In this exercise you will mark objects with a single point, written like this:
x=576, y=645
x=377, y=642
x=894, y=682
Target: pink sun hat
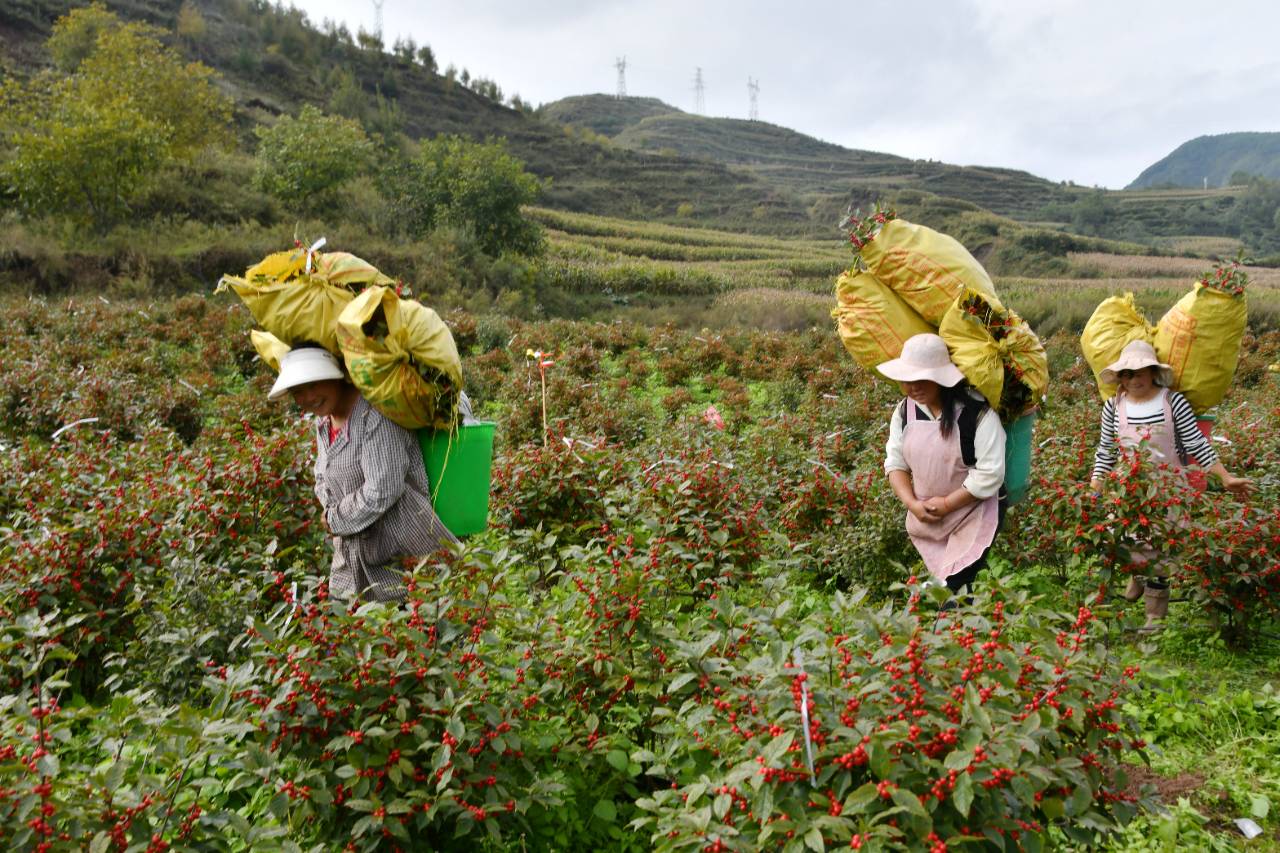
x=1135, y=356
x=923, y=357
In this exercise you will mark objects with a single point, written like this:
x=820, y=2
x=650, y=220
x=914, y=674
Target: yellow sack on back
x=402, y=357
x=294, y=310
x=270, y=348
x=1115, y=323
x=928, y=269
x=997, y=352
x=872, y=320
x=1199, y=338
x=346, y=270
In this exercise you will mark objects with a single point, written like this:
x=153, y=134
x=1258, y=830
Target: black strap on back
x=968, y=423
x=970, y=411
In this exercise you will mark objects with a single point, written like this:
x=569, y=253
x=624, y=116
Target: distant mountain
x=792, y=161
x=1216, y=159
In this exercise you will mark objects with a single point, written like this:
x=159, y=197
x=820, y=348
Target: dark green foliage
x=469, y=185
x=304, y=160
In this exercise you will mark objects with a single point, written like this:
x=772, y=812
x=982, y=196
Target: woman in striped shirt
x=1146, y=409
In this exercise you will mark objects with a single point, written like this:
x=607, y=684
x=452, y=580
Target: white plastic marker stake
x=60, y=430
x=311, y=251
x=804, y=719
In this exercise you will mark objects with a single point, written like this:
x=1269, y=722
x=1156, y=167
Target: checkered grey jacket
x=373, y=488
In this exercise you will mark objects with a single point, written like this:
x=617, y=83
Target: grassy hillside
x=828, y=177
x=1215, y=159
x=795, y=162
x=274, y=60
x=603, y=114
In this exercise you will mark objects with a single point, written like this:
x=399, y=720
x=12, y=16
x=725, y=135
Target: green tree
x=191, y=24
x=303, y=160
x=76, y=35
x=472, y=185
x=83, y=144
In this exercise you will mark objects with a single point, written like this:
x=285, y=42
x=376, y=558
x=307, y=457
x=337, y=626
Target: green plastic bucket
x=458, y=470
x=1017, y=456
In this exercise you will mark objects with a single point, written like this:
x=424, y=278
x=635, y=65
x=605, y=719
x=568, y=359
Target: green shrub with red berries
x=892, y=728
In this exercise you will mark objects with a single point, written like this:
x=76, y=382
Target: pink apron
x=957, y=540
x=1163, y=449
x=1160, y=440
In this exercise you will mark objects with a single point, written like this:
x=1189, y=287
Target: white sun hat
x=923, y=357
x=303, y=366
x=1135, y=356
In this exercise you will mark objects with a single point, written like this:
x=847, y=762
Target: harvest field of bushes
x=686, y=628
x=621, y=661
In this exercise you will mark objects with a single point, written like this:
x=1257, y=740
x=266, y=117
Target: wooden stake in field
x=543, y=363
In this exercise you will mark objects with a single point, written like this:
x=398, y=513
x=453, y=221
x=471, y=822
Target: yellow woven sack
x=872, y=320
x=1115, y=323
x=294, y=310
x=298, y=301
x=929, y=270
x=346, y=270
x=270, y=348
x=388, y=344
x=997, y=352
x=279, y=266
x=1199, y=338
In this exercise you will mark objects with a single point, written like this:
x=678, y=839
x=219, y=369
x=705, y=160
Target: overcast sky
x=1092, y=91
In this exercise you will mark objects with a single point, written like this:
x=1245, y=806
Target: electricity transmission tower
x=753, y=92
x=621, y=65
x=377, y=18
x=699, y=94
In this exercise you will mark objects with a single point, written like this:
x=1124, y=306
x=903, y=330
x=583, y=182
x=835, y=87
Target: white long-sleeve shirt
x=985, y=477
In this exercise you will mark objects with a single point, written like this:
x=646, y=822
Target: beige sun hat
x=302, y=366
x=923, y=357
x=1135, y=356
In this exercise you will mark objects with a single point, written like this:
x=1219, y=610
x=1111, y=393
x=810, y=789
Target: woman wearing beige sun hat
x=372, y=486
x=945, y=461
x=1147, y=409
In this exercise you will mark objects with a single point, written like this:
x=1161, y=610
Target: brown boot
x=1137, y=584
x=1156, y=604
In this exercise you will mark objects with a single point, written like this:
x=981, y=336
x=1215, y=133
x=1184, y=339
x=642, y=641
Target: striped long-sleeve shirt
x=1190, y=442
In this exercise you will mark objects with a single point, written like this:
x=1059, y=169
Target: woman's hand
x=936, y=507
x=923, y=511
x=1239, y=486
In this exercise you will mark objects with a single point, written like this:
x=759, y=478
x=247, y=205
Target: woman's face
x=1138, y=383
x=924, y=392
x=318, y=398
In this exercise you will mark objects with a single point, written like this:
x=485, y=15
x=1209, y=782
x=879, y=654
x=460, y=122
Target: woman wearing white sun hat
x=1146, y=409
x=954, y=507
x=370, y=480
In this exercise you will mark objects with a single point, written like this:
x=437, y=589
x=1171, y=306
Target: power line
x=621, y=65
x=699, y=94
x=377, y=18
x=753, y=92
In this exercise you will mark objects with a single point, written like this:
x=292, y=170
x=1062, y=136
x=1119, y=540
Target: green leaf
x=606, y=811
x=958, y=760
x=878, y=759
x=617, y=759
x=1079, y=801
x=776, y=747
x=963, y=794
x=860, y=799
x=813, y=840
x=720, y=807
x=1053, y=808
x=910, y=802
x=1259, y=806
